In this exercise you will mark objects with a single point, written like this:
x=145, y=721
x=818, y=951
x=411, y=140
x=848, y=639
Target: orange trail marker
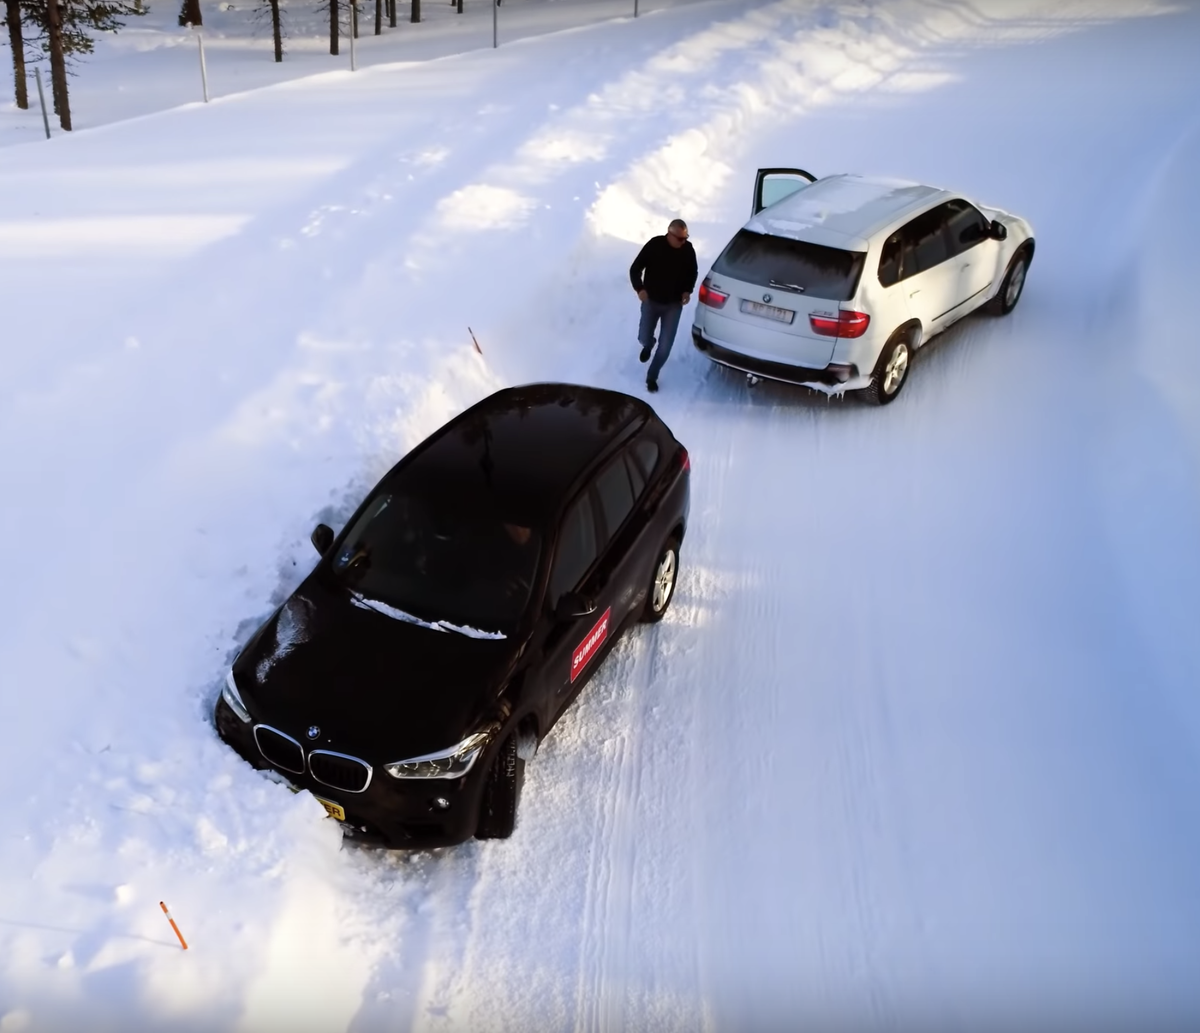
x=473, y=341
x=182, y=941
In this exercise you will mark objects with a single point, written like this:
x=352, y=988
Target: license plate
x=757, y=308
x=335, y=809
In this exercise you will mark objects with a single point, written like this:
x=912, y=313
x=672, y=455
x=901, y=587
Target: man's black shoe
x=651, y=385
x=645, y=356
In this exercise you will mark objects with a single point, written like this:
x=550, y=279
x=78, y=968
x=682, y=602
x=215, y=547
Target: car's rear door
x=773, y=185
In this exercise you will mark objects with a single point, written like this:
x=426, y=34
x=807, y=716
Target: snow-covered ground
x=917, y=744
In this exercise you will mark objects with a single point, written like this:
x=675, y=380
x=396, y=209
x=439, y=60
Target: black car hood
x=376, y=686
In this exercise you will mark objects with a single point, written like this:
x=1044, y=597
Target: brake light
x=712, y=298
x=685, y=459
x=839, y=324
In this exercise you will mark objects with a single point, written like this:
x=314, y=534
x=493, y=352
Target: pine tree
x=272, y=9
x=16, y=39
x=189, y=13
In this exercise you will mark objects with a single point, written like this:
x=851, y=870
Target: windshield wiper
x=793, y=287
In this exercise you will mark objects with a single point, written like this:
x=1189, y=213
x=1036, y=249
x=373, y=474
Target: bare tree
x=333, y=27
x=416, y=10
x=58, y=65
x=16, y=39
x=378, y=17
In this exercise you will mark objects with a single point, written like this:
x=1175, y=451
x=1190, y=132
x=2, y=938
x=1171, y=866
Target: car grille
x=281, y=751
x=339, y=771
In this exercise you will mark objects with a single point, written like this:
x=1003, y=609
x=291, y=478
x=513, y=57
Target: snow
x=916, y=744
x=360, y=600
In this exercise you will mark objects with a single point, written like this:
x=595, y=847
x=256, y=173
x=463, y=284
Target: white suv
x=834, y=282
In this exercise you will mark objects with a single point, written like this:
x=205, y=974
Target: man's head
x=677, y=233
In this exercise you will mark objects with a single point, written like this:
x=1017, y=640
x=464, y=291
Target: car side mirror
x=571, y=605
x=322, y=538
x=997, y=231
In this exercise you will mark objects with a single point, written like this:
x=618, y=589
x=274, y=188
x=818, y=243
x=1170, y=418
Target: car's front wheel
x=498, y=811
x=1014, y=282
x=662, y=582
x=891, y=371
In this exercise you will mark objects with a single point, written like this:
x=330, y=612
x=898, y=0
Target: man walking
x=663, y=274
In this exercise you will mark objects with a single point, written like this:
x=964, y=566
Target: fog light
x=440, y=803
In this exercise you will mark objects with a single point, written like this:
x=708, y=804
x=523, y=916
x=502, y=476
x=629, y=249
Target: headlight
x=451, y=763
x=231, y=696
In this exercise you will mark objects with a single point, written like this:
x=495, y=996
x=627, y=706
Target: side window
x=926, y=236
x=576, y=548
x=616, y=494
x=966, y=226
x=636, y=477
x=646, y=452
x=889, y=261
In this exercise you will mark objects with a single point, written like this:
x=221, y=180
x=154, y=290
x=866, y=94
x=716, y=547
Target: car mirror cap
x=322, y=538
x=998, y=231
x=572, y=605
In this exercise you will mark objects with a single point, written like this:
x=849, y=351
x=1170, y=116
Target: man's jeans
x=654, y=312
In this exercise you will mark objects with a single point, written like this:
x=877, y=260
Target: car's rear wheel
x=662, y=581
x=891, y=370
x=498, y=811
x=1013, y=284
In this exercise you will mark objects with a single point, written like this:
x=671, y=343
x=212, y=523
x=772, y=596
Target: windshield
x=817, y=271
x=467, y=567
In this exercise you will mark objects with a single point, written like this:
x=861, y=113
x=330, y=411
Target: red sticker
x=590, y=645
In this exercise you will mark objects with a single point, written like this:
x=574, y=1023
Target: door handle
x=913, y=294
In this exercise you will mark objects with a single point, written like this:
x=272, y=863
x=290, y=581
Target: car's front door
x=972, y=253
x=773, y=185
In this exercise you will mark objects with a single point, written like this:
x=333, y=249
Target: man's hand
x=643, y=296
x=687, y=296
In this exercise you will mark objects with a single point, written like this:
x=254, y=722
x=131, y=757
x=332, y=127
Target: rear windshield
x=822, y=272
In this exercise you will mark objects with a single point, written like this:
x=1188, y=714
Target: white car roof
x=845, y=211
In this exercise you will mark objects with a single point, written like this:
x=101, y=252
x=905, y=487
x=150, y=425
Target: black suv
x=461, y=609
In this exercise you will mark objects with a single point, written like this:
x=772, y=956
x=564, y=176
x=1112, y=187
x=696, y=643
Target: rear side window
x=576, y=549
x=646, y=452
x=889, y=260
x=924, y=241
x=821, y=272
x=616, y=494
x=966, y=226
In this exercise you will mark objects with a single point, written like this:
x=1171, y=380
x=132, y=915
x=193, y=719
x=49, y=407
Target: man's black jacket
x=664, y=272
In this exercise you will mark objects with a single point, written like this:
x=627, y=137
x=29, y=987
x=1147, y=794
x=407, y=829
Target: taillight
x=712, y=298
x=839, y=324
x=685, y=461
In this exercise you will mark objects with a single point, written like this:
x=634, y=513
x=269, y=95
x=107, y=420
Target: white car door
x=930, y=281
x=973, y=252
x=773, y=185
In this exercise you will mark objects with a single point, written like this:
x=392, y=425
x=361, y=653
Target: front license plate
x=757, y=308
x=335, y=809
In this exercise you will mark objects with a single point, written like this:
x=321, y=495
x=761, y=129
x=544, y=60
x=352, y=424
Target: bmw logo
x=313, y=731
x=767, y=298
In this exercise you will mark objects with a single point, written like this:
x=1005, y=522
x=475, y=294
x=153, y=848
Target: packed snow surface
x=918, y=743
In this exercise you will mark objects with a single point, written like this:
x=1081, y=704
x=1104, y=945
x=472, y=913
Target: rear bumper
x=390, y=812
x=833, y=375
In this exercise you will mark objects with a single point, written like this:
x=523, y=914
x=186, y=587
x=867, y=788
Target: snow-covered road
x=918, y=742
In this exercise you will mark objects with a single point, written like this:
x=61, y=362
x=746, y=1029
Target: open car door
x=772, y=185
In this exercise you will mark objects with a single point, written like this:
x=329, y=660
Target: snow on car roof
x=842, y=211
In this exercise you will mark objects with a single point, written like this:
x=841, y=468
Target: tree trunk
x=58, y=65
x=354, y=18
x=378, y=17
x=460, y=6
x=189, y=13
x=391, y=14
x=17, y=42
x=333, y=27
x=416, y=10
x=276, y=30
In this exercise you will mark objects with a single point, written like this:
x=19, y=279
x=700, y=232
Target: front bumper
x=834, y=375
x=390, y=811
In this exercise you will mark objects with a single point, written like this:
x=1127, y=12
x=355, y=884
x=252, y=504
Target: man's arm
x=692, y=272
x=638, y=268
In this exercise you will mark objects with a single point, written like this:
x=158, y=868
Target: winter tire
x=662, y=582
x=891, y=371
x=498, y=811
x=1014, y=282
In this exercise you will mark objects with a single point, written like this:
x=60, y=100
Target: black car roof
x=522, y=447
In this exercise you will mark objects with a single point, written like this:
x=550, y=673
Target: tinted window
x=616, y=495
x=889, y=260
x=636, y=478
x=823, y=272
x=646, y=452
x=576, y=548
x=435, y=559
x=966, y=226
x=925, y=236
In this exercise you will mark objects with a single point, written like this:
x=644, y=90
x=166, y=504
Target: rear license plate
x=757, y=308
x=335, y=809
